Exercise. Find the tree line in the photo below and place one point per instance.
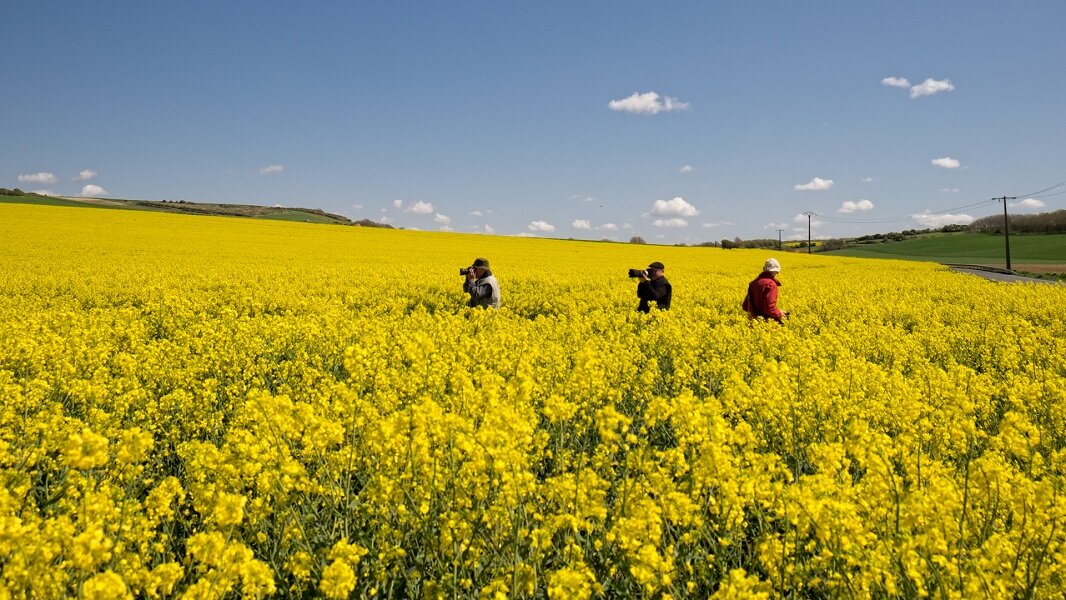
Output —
(1052, 222)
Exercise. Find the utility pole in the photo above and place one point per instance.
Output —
(1006, 226)
(810, 213)
(779, 238)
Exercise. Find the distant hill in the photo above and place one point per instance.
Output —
(280, 213)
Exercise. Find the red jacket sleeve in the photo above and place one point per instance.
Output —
(770, 303)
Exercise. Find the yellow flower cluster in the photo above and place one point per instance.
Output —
(206, 408)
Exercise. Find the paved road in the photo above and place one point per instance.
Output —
(1002, 277)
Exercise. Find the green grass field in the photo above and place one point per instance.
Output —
(51, 201)
(971, 248)
(233, 210)
(298, 215)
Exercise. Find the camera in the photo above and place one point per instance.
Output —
(463, 271)
(637, 273)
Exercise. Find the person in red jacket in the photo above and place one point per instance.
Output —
(761, 300)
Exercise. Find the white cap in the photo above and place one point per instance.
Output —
(772, 266)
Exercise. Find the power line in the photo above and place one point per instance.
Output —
(1046, 195)
(1057, 185)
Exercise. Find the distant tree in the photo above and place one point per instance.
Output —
(728, 244)
(1052, 222)
(369, 223)
(637, 240)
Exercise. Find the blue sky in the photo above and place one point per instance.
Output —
(681, 122)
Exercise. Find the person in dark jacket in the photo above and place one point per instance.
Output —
(761, 300)
(481, 284)
(654, 287)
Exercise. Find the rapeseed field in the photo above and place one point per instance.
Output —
(203, 407)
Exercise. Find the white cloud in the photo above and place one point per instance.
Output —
(446, 228)
(581, 224)
(419, 208)
(271, 169)
(687, 169)
(541, 226)
(1029, 203)
(41, 177)
(582, 198)
(815, 185)
(946, 162)
(442, 219)
(93, 191)
(870, 180)
(647, 103)
(43, 192)
(676, 207)
(671, 223)
(627, 226)
(775, 226)
(475, 213)
(86, 175)
(950, 190)
(849, 206)
(608, 227)
(896, 82)
(386, 220)
(489, 229)
(930, 220)
(711, 225)
(930, 87)
(397, 203)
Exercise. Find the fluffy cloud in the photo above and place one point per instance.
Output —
(442, 219)
(676, 207)
(541, 226)
(930, 87)
(687, 169)
(608, 227)
(1029, 203)
(926, 88)
(489, 229)
(418, 208)
(85, 175)
(946, 162)
(475, 213)
(582, 198)
(268, 170)
(815, 185)
(849, 206)
(671, 223)
(41, 177)
(581, 224)
(649, 103)
(929, 220)
(93, 191)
